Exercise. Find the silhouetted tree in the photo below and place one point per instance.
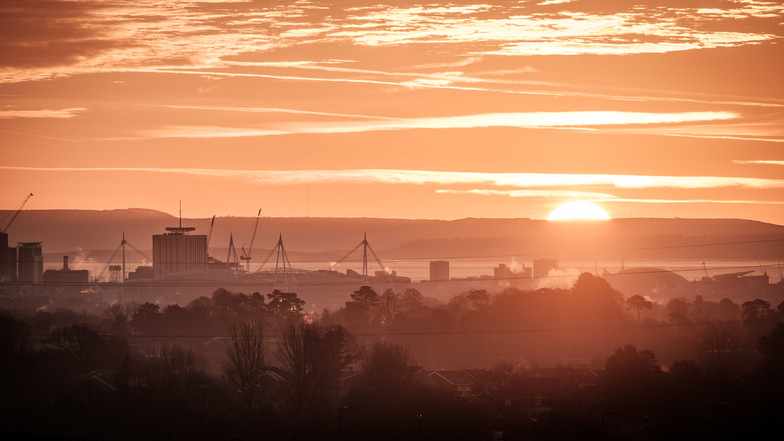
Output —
(638, 302)
(15, 344)
(312, 358)
(16, 355)
(117, 319)
(757, 320)
(772, 347)
(678, 311)
(718, 345)
(363, 306)
(630, 376)
(411, 300)
(594, 301)
(147, 318)
(389, 302)
(386, 370)
(173, 368)
(479, 298)
(78, 342)
(285, 305)
(755, 309)
(245, 365)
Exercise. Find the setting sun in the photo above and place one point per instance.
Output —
(578, 210)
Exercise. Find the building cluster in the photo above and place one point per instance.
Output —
(23, 263)
(439, 271)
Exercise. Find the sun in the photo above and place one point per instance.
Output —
(578, 210)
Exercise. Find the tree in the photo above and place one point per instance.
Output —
(638, 302)
(245, 366)
(411, 300)
(630, 376)
(147, 318)
(172, 368)
(678, 310)
(386, 369)
(16, 352)
(285, 305)
(78, 342)
(312, 358)
(594, 301)
(363, 305)
(717, 345)
(757, 322)
(755, 309)
(480, 299)
(389, 301)
(772, 347)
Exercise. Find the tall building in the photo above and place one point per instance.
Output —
(7, 259)
(439, 271)
(178, 251)
(30, 264)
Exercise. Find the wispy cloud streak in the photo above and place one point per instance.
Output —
(585, 119)
(423, 177)
(71, 112)
(758, 161)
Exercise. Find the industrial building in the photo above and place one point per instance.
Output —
(178, 251)
(66, 279)
(504, 272)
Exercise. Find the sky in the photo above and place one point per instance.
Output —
(670, 108)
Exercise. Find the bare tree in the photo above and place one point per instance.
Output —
(386, 369)
(718, 345)
(312, 357)
(245, 365)
(78, 342)
(174, 368)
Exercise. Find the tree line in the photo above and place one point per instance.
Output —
(237, 365)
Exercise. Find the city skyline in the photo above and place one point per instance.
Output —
(398, 110)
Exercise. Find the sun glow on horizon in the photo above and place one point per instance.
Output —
(578, 210)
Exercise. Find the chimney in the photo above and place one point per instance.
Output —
(65, 263)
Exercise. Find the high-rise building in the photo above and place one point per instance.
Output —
(178, 251)
(7, 259)
(439, 271)
(30, 263)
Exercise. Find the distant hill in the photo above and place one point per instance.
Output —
(64, 231)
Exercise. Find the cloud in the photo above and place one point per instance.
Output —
(690, 201)
(70, 112)
(44, 40)
(426, 177)
(758, 161)
(599, 197)
(530, 193)
(273, 110)
(578, 119)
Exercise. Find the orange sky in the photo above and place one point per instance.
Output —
(463, 109)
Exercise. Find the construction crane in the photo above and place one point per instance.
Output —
(16, 213)
(246, 255)
(209, 236)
